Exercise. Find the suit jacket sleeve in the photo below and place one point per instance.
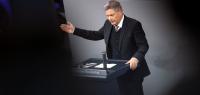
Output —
(90, 35)
(141, 42)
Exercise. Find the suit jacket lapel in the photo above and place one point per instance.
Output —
(123, 30)
(107, 33)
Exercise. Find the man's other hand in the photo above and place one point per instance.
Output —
(133, 63)
(68, 28)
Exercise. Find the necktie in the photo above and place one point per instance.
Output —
(116, 28)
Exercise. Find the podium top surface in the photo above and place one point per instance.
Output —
(94, 68)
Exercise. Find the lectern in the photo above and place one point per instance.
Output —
(100, 68)
(97, 76)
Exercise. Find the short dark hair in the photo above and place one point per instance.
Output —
(113, 4)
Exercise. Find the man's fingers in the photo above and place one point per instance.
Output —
(63, 25)
(68, 27)
(133, 66)
(128, 62)
(136, 65)
(69, 23)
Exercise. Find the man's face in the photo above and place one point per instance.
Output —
(114, 16)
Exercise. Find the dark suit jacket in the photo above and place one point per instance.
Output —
(132, 43)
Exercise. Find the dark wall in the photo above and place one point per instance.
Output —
(34, 58)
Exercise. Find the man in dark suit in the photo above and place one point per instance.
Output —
(125, 39)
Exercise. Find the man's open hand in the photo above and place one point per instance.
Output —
(69, 27)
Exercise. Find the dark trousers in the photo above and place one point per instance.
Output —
(130, 84)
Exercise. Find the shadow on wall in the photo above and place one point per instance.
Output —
(187, 87)
(189, 18)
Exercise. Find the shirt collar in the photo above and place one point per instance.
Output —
(121, 22)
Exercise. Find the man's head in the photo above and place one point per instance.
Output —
(113, 11)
